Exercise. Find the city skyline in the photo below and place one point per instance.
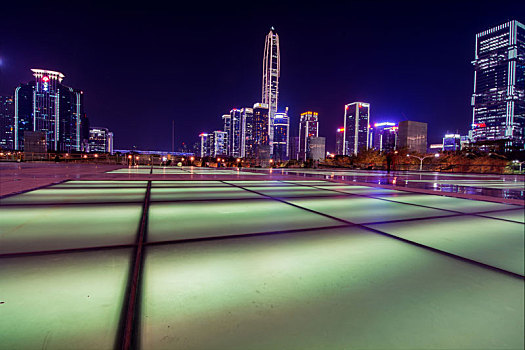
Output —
(322, 86)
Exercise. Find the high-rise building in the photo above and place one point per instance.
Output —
(234, 131)
(247, 145)
(294, 147)
(49, 106)
(356, 125)
(498, 100)
(100, 140)
(316, 148)
(205, 145)
(281, 136)
(227, 128)
(260, 126)
(214, 144)
(413, 136)
(339, 141)
(7, 122)
(219, 143)
(451, 142)
(383, 136)
(270, 81)
(308, 127)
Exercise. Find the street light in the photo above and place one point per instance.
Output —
(421, 159)
(519, 163)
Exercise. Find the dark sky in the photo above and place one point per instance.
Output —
(143, 66)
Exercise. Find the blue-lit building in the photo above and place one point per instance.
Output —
(281, 136)
(452, 142)
(100, 140)
(498, 101)
(383, 136)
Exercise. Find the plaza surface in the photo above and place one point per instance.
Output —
(196, 258)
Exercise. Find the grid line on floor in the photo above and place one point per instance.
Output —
(367, 228)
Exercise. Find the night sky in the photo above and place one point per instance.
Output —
(142, 67)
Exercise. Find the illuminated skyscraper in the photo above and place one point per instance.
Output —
(7, 121)
(48, 106)
(308, 127)
(270, 81)
(383, 136)
(339, 141)
(356, 125)
(234, 130)
(100, 140)
(247, 146)
(281, 136)
(498, 100)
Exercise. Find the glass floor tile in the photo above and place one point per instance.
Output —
(515, 215)
(95, 183)
(292, 191)
(129, 171)
(167, 194)
(315, 183)
(492, 242)
(176, 183)
(259, 183)
(73, 195)
(29, 229)
(184, 220)
(366, 210)
(450, 203)
(329, 289)
(363, 190)
(62, 301)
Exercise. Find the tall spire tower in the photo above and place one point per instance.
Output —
(271, 73)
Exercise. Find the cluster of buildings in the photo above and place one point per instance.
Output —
(498, 104)
(45, 115)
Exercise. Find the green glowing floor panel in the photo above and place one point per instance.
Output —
(29, 229)
(450, 203)
(330, 289)
(74, 195)
(363, 190)
(129, 171)
(366, 210)
(199, 193)
(186, 220)
(208, 183)
(62, 301)
(292, 191)
(493, 242)
(517, 215)
(259, 183)
(83, 184)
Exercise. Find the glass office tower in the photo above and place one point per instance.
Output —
(270, 81)
(498, 100)
(281, 138)
(308, 127)
(356, 125)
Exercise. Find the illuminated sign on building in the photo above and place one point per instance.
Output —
(45, 84)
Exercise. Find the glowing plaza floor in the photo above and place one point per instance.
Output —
(255, 262)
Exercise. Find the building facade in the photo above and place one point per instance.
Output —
(451, 142)
(413, 136)
(308, 127)
(339, 141)
(270, 78)
(383, 136)
(281, 140)
(247, 145)
(316, 148)
(260, 127)
(356, 125)
(49, 106)
(498, 101)
(100, 140)
(7, 122)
